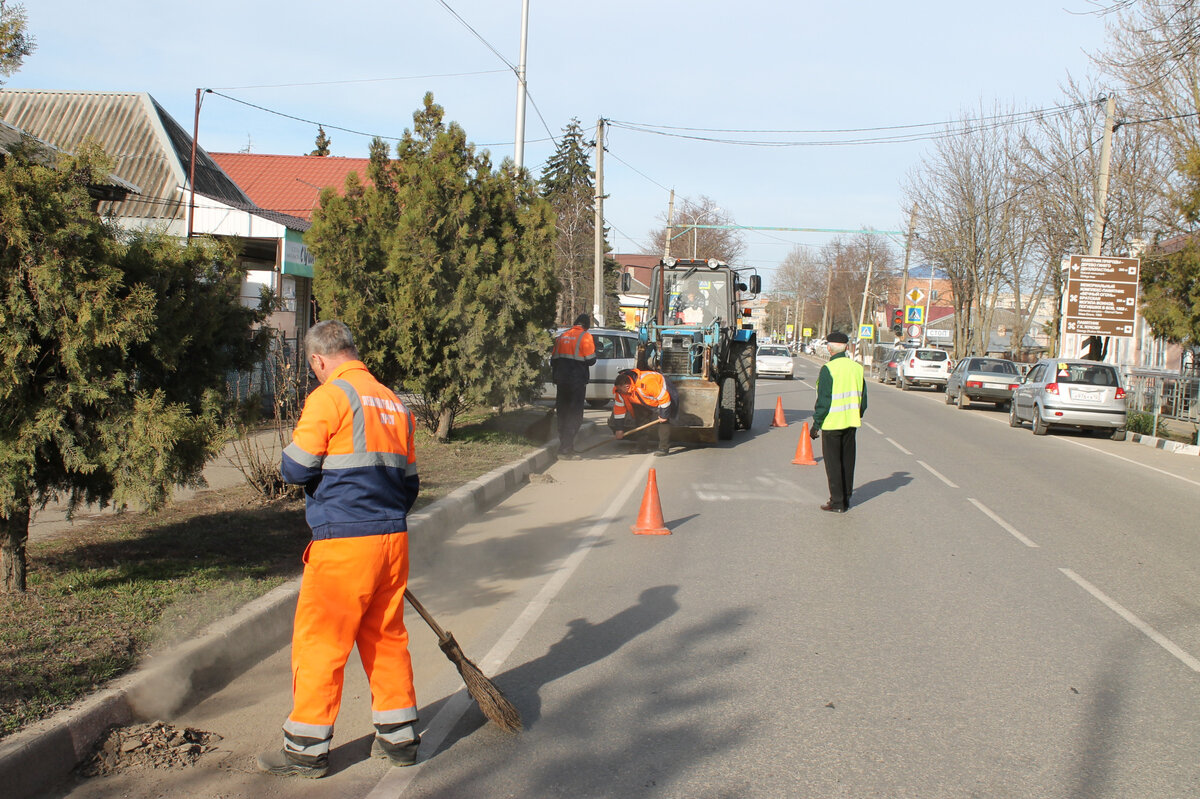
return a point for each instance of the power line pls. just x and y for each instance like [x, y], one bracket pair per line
[362, 80]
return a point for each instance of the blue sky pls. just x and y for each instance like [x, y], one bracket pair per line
[755, 65]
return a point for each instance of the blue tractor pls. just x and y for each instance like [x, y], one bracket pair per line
[695, 334]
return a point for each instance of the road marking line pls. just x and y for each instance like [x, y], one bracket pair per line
[937, 474]
[873, 427]
[1012, 530]
[397, 780]
[1145, 629]
[897, 446]
[1129, 460]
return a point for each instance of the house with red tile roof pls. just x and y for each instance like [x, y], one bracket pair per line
[289, 184]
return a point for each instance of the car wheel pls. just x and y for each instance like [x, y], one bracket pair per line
[900, 381]
[963, 402]
[1004, 406]
[1013, 419]
[1040, 428]
[1118, 434]
[949, 399]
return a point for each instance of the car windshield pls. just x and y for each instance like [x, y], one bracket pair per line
[931, 355]
[773, 351]
[1086, 374]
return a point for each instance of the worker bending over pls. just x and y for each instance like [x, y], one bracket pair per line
[640, 397]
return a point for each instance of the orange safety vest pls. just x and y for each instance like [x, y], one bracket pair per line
[650, 389]
[575, 344]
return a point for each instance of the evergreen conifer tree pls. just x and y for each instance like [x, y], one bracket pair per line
[322, 143]
[442, 268]
[117, 348]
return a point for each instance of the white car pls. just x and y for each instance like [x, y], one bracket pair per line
[924, 366]
[774, 360]
[615, 350]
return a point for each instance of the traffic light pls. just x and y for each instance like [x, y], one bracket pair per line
[898, 321]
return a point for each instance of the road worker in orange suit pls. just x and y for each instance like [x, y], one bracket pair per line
[642, 396]
[352, 450]
[570, 365]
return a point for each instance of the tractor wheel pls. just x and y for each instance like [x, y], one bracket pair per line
[727, 413]
[744, 374]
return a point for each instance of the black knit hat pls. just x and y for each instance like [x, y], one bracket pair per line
[584, 321]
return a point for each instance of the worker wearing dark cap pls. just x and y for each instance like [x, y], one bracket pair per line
[841, 403]
[570, 365]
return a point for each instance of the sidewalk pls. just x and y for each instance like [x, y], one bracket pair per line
[221, 472]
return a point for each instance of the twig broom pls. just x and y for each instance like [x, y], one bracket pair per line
[491, 700]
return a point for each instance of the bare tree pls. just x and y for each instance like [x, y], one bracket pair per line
[800, 278]
[690, 240]
[970, 221]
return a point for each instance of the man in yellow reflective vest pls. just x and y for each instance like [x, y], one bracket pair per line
[841, 403]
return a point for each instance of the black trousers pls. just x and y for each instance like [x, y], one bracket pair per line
[838, 449]
[568, 405]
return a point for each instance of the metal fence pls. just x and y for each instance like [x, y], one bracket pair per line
[1164, 395]
[282, 366]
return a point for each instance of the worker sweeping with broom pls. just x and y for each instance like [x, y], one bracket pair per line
[352, 450]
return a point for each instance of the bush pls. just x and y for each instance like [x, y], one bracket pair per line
[1142, 422]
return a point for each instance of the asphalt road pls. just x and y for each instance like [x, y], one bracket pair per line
[998, 615]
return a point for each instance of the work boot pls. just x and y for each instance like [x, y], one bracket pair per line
[402, 754]
[661, 451]
[283, 763]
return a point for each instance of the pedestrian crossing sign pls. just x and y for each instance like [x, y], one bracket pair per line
[866, 331]
[914, 314]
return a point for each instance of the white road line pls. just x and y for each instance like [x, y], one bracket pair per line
[897, 446]
[396, 780]
[937, 474]
[1128, 460]
[873, 427]
[1012, 530]
[1145, 629]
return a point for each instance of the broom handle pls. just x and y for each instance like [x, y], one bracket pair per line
[626, 433]
[419, 608]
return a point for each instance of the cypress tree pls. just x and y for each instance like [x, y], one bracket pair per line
[442, 268]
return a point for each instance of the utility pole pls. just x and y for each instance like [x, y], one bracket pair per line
[598, 277]
[1099, 212]
[192, 169]
[862, 311]
[828, 288]
[912, 229]
[670, 226]
[519, 147]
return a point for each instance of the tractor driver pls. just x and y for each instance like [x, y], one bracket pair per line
[642, 397]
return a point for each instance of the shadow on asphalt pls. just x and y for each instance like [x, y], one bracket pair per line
[876, 488]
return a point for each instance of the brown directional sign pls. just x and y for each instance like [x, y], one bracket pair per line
[1102, 295]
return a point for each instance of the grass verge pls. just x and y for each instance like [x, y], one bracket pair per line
[119, 588]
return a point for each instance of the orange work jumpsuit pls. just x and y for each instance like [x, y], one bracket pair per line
[352, 450]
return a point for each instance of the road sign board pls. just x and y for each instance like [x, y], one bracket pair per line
[914, 314]
[914, 331]
[866, 331]
[1101, 295]
[915, 295]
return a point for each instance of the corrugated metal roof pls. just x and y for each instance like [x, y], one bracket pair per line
[149, 148]
[12, 137]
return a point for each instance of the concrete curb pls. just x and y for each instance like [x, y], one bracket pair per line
[43, 755]
[1165, 444]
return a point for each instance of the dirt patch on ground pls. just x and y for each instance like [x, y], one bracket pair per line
[148, 746]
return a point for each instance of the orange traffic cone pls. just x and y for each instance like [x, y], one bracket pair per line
[650, 518]
[804, 456]
[779, 421]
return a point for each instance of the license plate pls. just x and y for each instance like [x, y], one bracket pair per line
[1083, 395]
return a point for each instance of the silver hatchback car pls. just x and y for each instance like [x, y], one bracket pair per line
[1076, 393]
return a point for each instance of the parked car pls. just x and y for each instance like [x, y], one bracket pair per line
[1059, 391]
[982, 380]
[889, 364]
[774, 360]
[615, 350]
[923, 366]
